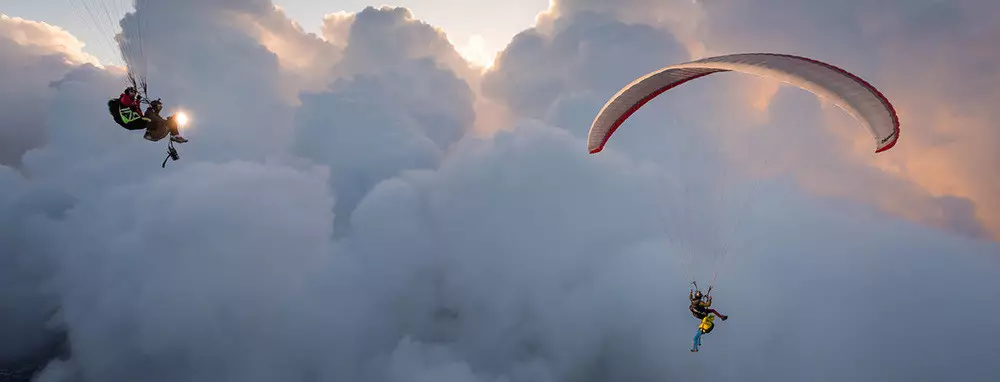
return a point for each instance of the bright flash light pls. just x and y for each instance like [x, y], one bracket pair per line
[182, 119]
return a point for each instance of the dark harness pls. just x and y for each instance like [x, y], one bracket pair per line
[116, 109]
[698, 311]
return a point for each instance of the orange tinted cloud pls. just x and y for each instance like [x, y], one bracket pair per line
[42, 38]
[32, 55]
[937, 62]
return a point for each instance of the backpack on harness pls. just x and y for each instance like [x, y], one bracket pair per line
[115, 107]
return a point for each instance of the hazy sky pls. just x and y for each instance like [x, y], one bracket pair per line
[367, 206]
[456, 17]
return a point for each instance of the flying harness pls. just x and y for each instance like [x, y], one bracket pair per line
[122, 114]
[694, 307]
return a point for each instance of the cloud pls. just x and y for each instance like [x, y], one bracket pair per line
[33, 53]
[36, 59]
[398, 74]
[841, 166]
[383, 37]
[358, 231]
[306, 59]
[788, 113]
[474, 51]
[682, 18]
[336, 28]
[370, 127]
[22, 270]
[38, 38]
[586, 52]
[933, 61]
[193, 289]
[933, 165]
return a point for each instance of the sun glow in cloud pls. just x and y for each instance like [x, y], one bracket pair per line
[474, 51]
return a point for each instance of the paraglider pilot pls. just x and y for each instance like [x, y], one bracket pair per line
[704, 327]
[701, 308]
[129, 115]
[158, 128]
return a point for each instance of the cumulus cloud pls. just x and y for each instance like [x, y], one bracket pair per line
[399, 74]
[28, 308]
[33, 54]
[383, 37]
[194, 288]
[34, 57]
[306, 59]
[357, 231]
[584, 53]
[681, 17]
[933, 61]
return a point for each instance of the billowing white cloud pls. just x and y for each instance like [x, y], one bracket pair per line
[164, 273]
[587, 52]
[306, 59]
[357, 231]
[33, 54]
[398, 74]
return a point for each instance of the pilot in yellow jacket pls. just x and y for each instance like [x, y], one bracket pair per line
[704, 327]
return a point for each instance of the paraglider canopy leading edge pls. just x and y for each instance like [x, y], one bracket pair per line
[856, 96]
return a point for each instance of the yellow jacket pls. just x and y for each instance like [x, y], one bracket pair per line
[706, 323]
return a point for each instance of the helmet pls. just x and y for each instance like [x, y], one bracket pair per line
[697, 294]
[131, 89]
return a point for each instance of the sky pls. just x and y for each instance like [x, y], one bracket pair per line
[477, 38]
[363, 200]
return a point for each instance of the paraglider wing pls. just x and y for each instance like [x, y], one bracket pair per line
[856, 96]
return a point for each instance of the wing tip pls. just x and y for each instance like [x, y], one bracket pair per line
[887, 146]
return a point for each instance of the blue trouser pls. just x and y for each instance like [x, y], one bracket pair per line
[697, 339]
